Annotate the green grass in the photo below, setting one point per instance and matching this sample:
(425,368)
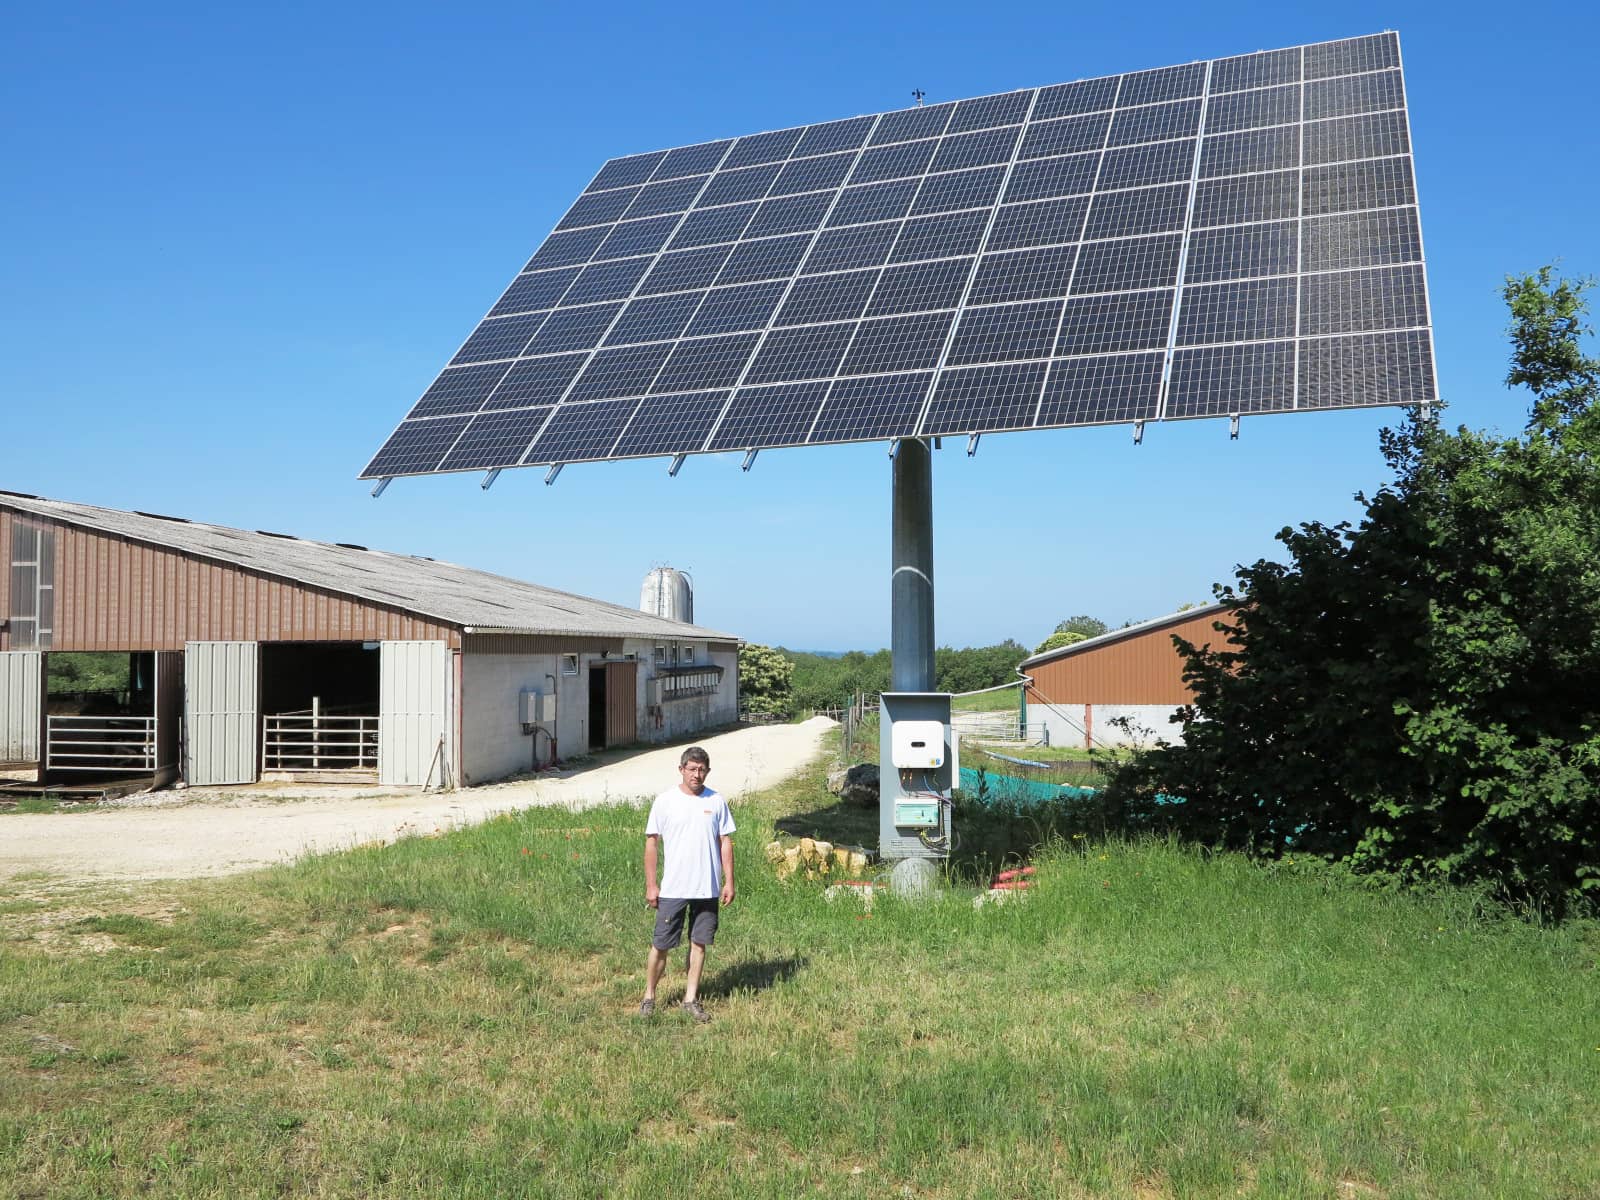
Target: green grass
(453,1017)
(1005,701)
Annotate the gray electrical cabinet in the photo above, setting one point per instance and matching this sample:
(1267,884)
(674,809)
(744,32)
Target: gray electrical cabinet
(918,767)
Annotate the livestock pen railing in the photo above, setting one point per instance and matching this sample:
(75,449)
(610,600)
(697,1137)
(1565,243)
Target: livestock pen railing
(123,745)
(319,742)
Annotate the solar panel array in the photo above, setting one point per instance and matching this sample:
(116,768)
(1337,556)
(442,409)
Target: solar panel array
(1223,237)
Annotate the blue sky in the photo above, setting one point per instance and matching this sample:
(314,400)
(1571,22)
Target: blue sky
(239,242)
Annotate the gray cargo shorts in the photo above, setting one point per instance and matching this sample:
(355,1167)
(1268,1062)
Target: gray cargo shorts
(670,914)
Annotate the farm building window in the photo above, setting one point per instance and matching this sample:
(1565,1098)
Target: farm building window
(661,656)
(33,591)
(569,664)
(679,683)
(688,655)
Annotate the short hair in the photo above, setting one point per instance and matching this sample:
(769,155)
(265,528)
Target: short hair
(694,754)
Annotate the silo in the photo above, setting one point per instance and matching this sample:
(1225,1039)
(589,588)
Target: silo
(668,592)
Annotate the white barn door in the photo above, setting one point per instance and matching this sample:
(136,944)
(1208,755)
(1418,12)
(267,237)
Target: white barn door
(21,688)
(221,710)
(413,713)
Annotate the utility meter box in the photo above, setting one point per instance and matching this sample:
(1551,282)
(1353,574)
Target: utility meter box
(537,709)
(918,750)
(917,745)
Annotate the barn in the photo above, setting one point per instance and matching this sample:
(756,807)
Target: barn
(235,655)
(1120,686)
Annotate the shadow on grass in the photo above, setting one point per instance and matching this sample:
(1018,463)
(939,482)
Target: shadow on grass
(753,975)
(841,824)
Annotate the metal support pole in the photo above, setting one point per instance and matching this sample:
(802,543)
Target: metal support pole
(911,586)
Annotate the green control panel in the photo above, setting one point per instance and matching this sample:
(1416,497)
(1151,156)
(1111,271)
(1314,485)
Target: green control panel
(916,814)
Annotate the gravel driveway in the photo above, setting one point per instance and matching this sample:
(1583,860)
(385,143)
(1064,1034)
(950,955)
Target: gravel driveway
(178,835)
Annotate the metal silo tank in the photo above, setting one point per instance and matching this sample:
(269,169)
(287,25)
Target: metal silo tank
(668,592)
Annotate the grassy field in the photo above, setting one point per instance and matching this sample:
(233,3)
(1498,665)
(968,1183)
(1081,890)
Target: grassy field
(453,1017)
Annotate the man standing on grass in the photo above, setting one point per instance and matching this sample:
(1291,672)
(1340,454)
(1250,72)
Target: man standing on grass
(694,823)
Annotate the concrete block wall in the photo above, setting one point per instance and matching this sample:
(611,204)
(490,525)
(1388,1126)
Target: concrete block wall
(492,742)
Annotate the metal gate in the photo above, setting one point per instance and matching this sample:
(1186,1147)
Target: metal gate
(221,702)
(413,713)
(622,703)
(21,688)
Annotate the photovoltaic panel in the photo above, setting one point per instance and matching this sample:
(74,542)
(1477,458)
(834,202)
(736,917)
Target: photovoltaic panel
(1222,237)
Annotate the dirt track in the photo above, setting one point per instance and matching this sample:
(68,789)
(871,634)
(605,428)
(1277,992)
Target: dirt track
(177,835)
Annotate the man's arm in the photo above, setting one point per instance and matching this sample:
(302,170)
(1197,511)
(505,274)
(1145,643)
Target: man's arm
(652,888)
(727,869)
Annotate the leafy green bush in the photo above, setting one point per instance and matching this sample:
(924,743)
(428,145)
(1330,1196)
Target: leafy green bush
(1420,695)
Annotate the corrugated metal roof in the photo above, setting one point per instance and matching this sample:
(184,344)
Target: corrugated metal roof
(1117,635)
(475,600)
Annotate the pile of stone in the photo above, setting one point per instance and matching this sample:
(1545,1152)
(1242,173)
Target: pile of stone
(813,859)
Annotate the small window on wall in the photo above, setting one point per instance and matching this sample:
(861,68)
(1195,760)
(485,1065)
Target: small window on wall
(688,655)
(661,656)
(33,592)
(569,664)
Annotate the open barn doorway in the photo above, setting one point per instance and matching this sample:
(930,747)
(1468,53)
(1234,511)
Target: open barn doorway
(319,711)
(111,716)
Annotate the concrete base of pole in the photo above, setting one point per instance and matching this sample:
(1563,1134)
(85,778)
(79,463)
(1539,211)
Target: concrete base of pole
(914,879)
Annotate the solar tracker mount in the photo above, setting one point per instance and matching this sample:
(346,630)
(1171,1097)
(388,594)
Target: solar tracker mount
(1224,237)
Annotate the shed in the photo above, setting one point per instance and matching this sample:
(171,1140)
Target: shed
(1107,690)
(236,655)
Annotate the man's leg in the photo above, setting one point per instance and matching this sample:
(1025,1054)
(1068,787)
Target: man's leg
(691,985)
(655,966)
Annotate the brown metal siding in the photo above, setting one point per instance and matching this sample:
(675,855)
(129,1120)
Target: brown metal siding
(115,594)
(1142,669)
(622,703)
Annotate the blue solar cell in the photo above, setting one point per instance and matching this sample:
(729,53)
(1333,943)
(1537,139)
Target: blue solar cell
(705,364)
(1047,177)
(416,447)
(1129,264)
(1246,198)
(1253,110)
(540,289)
(1361,239)
(708,226)
(1005,332)
(1363,301)
(680,270)
(920,287)
(1143,210)
(1023,275)
(622,171)
(880,406)
(1068,135)
(1367,369)
(1039,223)
(975,399)
(607,281)
(1259,70)
(573,329)
(947,236)
(1345,187)
(581,432)
(1162,83)
(1155,123)
(636,237)
(1352,56)
(769,416)
(499,337)
(828,298)
(691,160)
(1218,380)
(846,249)
(762,148)
(1242,252)
(730,187)
(460,389)
(1253,150)
(958,190)
(654,318)
(806,352)
(1071,99)
(1092,391)
(912,343)
(982,149)
(1354,94)
(772,258)
(565,249)
(893,162)
(736,309)
(536,381)
(911,124)
(810,174)
(598,208)
(1158,162)
(986,112)
(1371,135)
(622,372)
(1246,311)
(670,424)
(673,196)
(789,214)
(873,202)
(1114,322)
(495,439)
(835,135)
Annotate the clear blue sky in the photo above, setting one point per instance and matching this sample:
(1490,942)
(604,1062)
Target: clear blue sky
(240,240)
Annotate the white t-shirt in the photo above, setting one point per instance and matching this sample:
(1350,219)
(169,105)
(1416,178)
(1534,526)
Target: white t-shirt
(691,829)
